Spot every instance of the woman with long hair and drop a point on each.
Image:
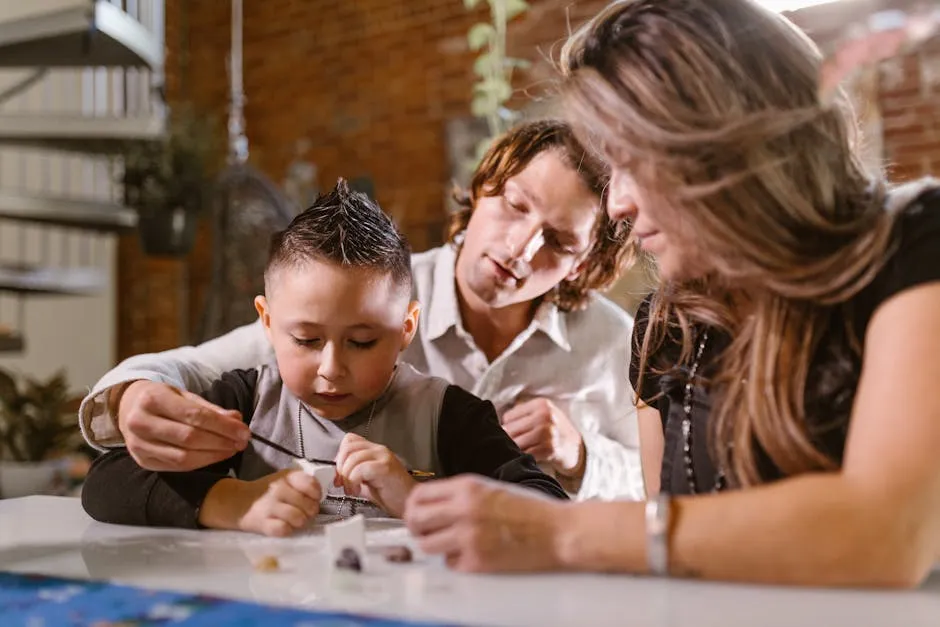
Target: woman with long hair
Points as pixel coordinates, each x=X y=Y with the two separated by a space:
x=786 y=367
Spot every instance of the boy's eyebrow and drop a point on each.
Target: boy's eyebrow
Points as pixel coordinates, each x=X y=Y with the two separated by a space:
x=365 y=326
x=303 y=323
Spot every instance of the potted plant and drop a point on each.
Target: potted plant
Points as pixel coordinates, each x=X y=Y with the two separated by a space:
x=40 y=441
x=167 y=182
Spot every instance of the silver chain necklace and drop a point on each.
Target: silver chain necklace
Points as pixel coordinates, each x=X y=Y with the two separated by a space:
x=353 y=501
x=687 y=425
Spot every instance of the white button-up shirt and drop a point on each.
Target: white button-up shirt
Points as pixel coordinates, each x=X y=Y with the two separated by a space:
x=578 y=360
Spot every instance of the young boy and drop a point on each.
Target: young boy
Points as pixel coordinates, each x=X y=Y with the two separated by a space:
x=337 y=310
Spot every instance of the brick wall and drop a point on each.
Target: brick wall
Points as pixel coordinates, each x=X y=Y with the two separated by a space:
x=910 y=106
x=151 y=293
x=906 y=90
x=370 y=84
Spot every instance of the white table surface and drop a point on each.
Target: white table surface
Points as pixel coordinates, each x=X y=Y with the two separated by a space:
x=54 y=536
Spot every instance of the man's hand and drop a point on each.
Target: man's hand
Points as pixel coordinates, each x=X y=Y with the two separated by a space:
x=372 y=471
x=276 y=505
x=169 y=430
x=542 y=430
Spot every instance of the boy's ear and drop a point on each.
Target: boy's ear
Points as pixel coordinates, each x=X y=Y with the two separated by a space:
x=410 y=327
x=261 y=306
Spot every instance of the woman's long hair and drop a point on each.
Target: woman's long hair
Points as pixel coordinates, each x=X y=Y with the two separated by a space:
x=712 y=107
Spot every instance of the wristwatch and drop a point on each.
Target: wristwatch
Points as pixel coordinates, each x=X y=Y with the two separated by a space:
x=658 y=518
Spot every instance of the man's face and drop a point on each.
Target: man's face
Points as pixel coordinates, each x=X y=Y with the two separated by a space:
x=522 y=243
x=336 y=332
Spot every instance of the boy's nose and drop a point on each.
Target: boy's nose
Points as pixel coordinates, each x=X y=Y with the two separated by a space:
x=331 y=366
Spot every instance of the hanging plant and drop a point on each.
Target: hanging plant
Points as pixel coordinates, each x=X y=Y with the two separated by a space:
x=167 y=182
x=494 y=68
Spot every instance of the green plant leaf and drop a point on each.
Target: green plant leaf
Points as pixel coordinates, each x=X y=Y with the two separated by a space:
x=515 y=8
x=522 y=64
x=483 y=66
x=480 y=35
x=498 y=88
x=481 y=106
x=470 y=4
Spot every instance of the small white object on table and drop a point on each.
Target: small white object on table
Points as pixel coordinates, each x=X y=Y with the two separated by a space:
x=53 y=536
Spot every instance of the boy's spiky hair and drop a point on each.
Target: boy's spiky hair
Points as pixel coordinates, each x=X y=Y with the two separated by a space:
x=347 y=228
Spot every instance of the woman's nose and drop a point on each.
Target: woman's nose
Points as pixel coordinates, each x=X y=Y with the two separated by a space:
x=621 y=203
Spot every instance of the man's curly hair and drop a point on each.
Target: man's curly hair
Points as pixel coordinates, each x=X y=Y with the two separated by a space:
x=610 y=253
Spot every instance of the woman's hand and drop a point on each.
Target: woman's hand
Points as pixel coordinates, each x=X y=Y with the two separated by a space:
x=373 y=472
x=482 y=525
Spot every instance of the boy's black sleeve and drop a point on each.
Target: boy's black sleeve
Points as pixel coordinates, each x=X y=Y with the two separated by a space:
x=471 y=440
x=117 y=490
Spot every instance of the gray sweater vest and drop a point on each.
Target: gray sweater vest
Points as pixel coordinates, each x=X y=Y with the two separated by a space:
x=404 y=419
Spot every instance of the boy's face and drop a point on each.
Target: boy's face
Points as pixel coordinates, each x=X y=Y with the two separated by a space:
x=336 y=333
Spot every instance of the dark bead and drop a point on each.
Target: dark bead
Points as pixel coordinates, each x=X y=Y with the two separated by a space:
x=349 y=560
x=397 y=553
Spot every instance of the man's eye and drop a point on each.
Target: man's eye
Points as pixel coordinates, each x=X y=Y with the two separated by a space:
x=517 y=207
x=555 y=244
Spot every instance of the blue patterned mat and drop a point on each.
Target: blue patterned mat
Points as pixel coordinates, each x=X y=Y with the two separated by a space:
x=39 y=601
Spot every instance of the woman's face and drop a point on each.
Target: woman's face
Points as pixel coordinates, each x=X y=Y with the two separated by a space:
x=658 y=227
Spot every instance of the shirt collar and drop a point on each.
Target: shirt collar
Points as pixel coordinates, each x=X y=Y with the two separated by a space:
x=443 y=312
x=551 y=321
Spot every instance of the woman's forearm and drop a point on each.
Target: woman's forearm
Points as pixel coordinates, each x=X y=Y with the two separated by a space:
x=811 y=530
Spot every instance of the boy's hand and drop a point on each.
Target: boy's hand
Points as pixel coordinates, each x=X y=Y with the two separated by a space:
x=283 y=503
x=276 y=505
x=372 y=471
